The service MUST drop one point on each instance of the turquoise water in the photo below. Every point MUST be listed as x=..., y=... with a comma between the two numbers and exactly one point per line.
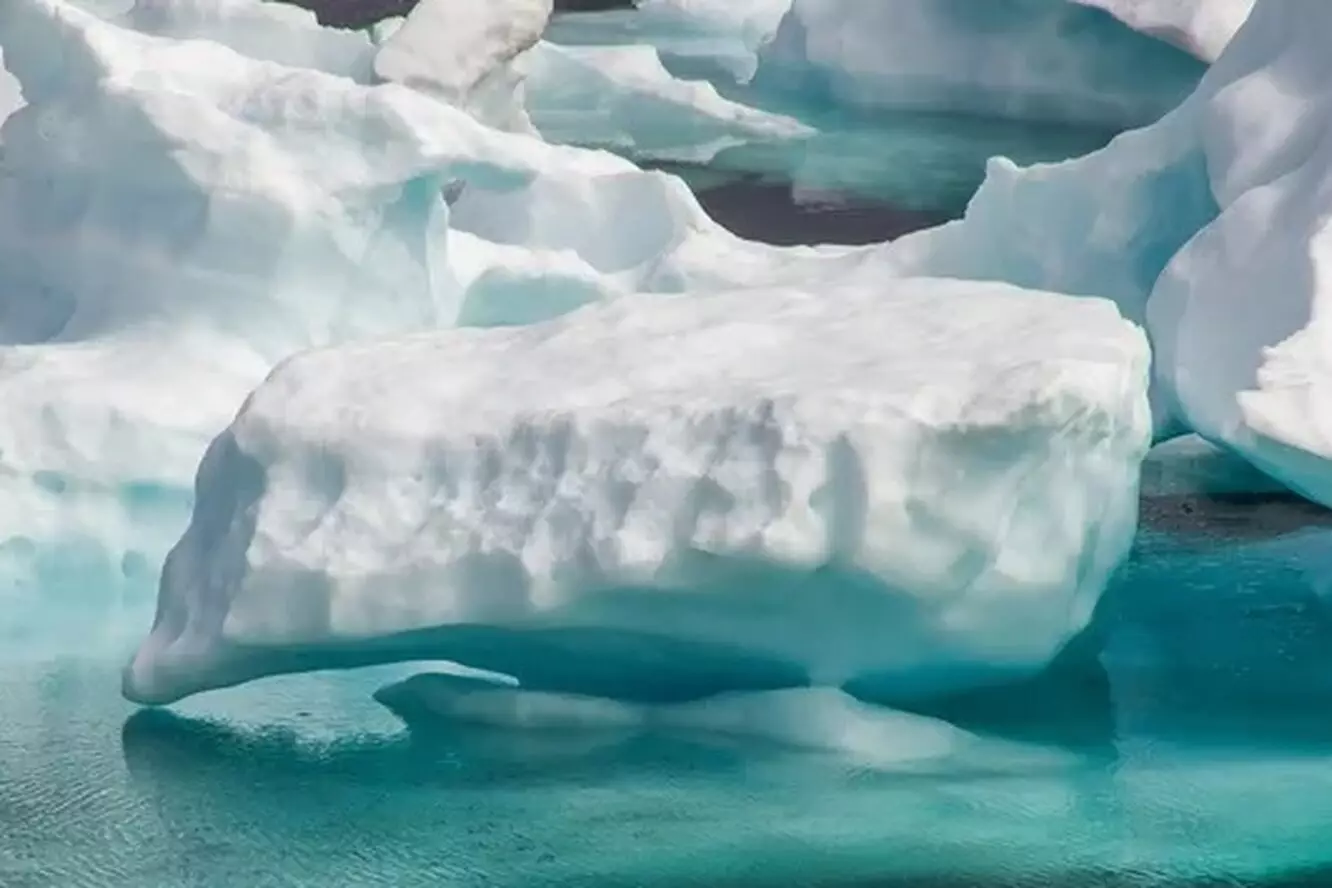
x=1202, y=750
x=912, y=161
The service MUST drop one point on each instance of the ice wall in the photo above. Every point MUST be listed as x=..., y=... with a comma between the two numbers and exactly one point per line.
x=1210, y=227
x=1039, y=59
x=916, y=486
x=197, y=190
x=1200, y=27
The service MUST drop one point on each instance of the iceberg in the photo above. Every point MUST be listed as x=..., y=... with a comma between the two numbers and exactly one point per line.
x=1210, y=228
x=465, y=54
x=11, y=99
x=1200, y=27
x=232, y=184
x=623, y=98
x=1027, y=59
x=918, y=486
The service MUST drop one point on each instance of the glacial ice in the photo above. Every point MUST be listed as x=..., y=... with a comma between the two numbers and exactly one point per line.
x=1200, y=27
x=710, y=38
x=1209, y=227
x=920, y=485
x=623, y=98
x=1030, y=59
x=228, y=190
x=199, y=189
x=10, y=97
x=466, y=54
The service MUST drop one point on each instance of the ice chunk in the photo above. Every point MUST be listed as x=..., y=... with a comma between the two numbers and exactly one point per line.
x=451, y=46
x=11, y=99
x=816, y=719
x=623, y=98
x=756, y=20
x=176, y=217
x=1043, y=59
x=922, y=483
x=1200, y=27
x=717, y=40
x=276, y=32
x=1210, y=226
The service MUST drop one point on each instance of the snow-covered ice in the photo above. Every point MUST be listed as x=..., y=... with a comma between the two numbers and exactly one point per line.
x=923, y=484
x=466, y=54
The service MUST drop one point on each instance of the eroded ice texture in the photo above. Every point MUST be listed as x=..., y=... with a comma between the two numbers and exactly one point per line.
x=462, y=52
x=1200, y=27
x=140, y=299
x=1210, y=226
x=1040, y=59
x=623, y=98
x=918, y=485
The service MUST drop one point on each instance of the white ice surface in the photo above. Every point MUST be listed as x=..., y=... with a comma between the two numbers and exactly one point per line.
x=451, y=46
x=1210, y=226
x=213, y=206
x=1043, y=59
x=924, y=484
x=10, y=98
x=1200, y=27
x=624, y=99
x=466, y=53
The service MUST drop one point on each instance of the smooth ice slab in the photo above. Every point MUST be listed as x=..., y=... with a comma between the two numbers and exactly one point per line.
x=922, y=484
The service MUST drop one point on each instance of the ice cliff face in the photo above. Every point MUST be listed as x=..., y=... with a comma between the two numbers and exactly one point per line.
x=1209, y=228
x=1038, y=59
x=913, y=487
x=1200, y=27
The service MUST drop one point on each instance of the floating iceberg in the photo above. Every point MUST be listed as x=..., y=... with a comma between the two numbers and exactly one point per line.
x=623, y=98
x=1200, y=27
x=228, y=185
x=685, y=463
x=916, y=486
x=10, y=97
x=1209, y=227
x=1031, y=59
